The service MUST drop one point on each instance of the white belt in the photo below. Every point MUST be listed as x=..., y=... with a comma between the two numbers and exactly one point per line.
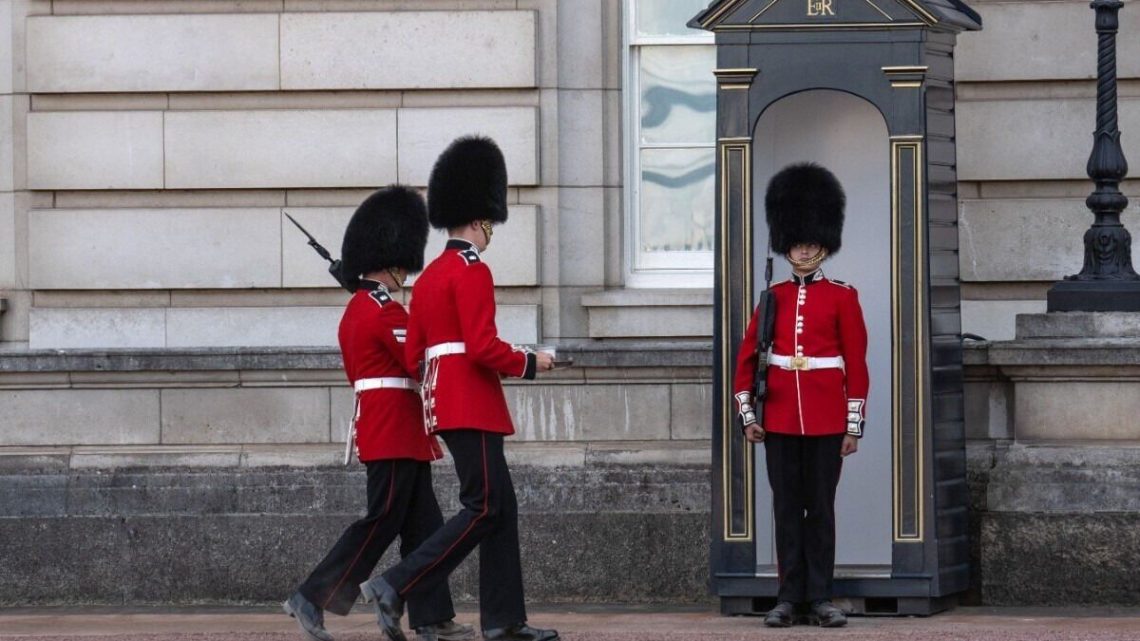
x=365, y=384
x=805, y=362
x=444, y=349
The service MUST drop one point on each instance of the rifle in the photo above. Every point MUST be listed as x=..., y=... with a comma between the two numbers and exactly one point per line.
x=764, y=336
x=334, y=265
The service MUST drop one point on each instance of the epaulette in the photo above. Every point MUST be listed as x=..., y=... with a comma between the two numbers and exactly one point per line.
x=380, y=296
x=841, y=283
x=469, y=256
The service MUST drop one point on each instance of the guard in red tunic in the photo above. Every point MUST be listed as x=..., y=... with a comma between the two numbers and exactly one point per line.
x=383, y=243
x=817, y=380
x=452, y=336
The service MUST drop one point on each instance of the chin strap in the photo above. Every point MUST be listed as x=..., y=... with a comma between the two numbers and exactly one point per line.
x=810, y=263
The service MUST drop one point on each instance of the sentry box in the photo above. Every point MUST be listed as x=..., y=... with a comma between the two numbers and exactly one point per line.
x=865, y=88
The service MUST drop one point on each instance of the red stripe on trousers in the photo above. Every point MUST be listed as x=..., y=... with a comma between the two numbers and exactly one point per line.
x=486, y=498
x=387, y=509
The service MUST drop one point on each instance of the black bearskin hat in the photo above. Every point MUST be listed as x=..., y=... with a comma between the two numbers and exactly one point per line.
x=389, y=229
x=468, y=183
x=804, y=204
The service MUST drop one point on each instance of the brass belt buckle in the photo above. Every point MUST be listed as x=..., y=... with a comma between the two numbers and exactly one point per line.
x=799, y=362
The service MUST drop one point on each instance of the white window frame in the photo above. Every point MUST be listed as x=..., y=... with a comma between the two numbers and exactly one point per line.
x=663, y=269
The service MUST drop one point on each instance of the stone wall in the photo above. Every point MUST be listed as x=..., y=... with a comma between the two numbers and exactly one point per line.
x=150, y=150
x=1025, y=114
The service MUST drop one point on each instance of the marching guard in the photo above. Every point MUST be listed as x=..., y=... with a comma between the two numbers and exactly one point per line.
x=383, y=243
x=812, y=411
x=452, y=333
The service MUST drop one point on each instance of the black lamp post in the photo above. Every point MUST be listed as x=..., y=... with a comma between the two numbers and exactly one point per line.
x=1107, y=281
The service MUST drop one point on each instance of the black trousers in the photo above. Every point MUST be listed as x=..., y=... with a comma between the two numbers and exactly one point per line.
x=804, y=472
x=488, y=520
x=401, y=502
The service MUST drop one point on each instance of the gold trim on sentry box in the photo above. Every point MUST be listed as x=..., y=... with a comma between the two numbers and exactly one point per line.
x=913, y=144
x=728, y=432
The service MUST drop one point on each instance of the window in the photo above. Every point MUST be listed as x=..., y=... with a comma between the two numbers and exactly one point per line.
x=670, y=107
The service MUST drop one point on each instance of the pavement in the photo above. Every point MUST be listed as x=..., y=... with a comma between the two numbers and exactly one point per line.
x=577, y=623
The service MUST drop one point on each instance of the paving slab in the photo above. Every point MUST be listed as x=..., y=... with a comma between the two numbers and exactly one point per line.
x=579, y=623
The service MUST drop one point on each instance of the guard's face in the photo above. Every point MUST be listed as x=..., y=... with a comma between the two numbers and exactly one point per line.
x=804, y=251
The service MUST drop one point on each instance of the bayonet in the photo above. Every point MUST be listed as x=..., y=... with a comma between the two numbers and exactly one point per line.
x=334, y=265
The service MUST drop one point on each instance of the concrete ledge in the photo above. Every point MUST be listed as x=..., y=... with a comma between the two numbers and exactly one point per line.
x=1060, y=559
x=596, y=534
x=641, y=354
x=1078, y=325
x=624, y=313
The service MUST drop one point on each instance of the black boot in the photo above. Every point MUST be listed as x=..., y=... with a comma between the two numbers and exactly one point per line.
x=446, y=631
x=520, y=632
x=781, y=616
x=389, y=606
x=308, y=616
x=828, y=615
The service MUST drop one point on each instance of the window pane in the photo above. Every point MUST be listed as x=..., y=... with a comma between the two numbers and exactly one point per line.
x=678, y=94
x=677, y=199
x=667, y=17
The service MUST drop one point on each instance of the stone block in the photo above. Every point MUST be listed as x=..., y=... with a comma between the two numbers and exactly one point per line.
x=8, y=242
x=252, y=326
x=202, y=456
x=513, y=252
x=690, y=414
x=1040, y=41
x=102, y=298
x=650, y=313
x=280, y=148
x=1074, y=410
x=540, y=455
x=1093, y=558
x=140, y=53
x=581, y=147
x=994, y=319
x=1078, y=325
x=1047, y=232
x=581, y=237
x=589, y=412
x=408, y=50
x=8, y=146
x=341, y=409
x=95, y=150
x=7, y=47
x=580, y=37
x=243, y=415
x=425, y=133
x=1080, y=479
x=292, y=456
x=1033, y=139
x=14, y=321
x=547, y=56
x=79, y=417
x=103, y=328
x=518, y=324
x=988, y=406
x=155, y=248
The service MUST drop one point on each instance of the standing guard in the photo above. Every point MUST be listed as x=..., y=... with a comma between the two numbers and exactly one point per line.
x=383, y=243
x=813, y=410
x=452, y=332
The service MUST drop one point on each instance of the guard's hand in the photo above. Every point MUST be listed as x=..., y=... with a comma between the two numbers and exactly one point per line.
x=543, y=362
x=754, y=433
x=850, y=445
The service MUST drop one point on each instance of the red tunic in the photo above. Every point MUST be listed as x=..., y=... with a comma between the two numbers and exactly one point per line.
x=815, y=317
x=454, y=302
x=372, y=346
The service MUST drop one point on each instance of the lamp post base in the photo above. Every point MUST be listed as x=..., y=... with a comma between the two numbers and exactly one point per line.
x=1095, y=296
